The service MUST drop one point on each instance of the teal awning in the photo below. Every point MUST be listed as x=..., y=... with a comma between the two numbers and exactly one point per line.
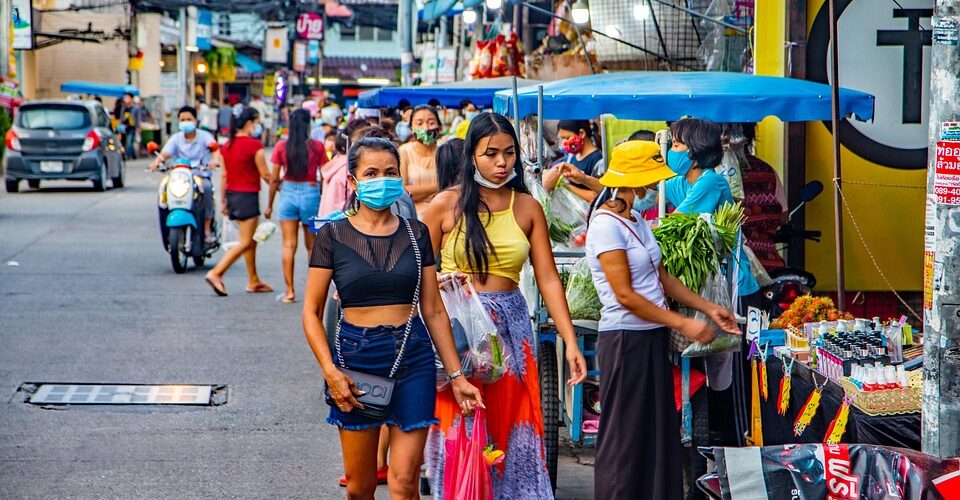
x=249, y=64
x=98, y=88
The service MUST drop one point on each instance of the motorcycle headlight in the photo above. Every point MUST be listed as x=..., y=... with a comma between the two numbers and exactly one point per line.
x=179, y=186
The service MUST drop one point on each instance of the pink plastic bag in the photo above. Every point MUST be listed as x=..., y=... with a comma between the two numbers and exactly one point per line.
x=467, y=475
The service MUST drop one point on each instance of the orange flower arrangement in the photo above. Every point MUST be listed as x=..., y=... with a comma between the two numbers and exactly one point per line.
x=809, y=309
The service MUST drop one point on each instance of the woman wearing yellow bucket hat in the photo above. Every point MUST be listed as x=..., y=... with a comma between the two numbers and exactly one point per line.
x=638, y=448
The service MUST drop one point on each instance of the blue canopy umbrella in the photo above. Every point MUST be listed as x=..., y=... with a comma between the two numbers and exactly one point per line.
x=717, y=96
x=479, y=92
x=97, y=88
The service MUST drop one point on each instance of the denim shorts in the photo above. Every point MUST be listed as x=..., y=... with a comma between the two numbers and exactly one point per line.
x=373, y=350
x=299, y=201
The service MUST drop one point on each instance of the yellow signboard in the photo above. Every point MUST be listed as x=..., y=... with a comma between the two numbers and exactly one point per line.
x=884, y=161
x=269, y=85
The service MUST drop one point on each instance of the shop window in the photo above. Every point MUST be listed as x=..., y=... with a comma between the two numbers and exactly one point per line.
x=223, y=25
x=367, y=33
x=385, y=35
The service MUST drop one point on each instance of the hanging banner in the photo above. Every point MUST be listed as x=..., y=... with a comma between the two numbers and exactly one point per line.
x=277, y=46
x=299, y=56
x=310, y=26
x=22, y=21
x=204, y=29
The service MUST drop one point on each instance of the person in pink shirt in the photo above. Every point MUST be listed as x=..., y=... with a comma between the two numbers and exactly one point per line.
x=334, y=186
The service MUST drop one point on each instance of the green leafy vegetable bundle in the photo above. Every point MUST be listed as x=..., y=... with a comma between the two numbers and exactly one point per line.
x=582, y=294
x=693, y=245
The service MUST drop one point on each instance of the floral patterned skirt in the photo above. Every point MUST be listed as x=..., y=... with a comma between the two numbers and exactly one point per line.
x=514, y=416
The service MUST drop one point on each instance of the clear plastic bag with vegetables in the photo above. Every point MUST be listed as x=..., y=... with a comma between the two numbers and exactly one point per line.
x=566, y=216
x=717, y=291
x=581, y=293
x=482, y=353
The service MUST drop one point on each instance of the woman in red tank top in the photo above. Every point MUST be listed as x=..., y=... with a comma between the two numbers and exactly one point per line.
x=244, y=165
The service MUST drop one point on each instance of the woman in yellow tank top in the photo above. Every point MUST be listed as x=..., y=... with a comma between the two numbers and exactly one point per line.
x=487, y=228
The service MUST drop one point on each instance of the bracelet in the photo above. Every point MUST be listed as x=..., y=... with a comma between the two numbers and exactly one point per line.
x=458, y=373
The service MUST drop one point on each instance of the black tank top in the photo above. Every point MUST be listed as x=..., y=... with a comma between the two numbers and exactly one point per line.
x=372, y=270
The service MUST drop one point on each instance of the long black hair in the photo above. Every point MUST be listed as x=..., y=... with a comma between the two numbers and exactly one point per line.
x=449, y=163
x=298, y=136
x=237, y=122
x=353, y=161
x=470, y=204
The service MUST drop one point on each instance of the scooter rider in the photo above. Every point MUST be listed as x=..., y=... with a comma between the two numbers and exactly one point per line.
x=193, y=144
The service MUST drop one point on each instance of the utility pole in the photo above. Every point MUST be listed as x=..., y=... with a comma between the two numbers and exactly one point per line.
x=941, y=343
x=183, y=61
x=835, y=122
x=6, y=7
x=406, y=40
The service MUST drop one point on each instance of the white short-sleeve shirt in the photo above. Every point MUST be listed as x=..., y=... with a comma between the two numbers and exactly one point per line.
x=609, y=232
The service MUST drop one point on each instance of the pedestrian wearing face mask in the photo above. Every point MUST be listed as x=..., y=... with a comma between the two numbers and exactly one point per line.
x=468, y=111
x=581, y=146
x=194, y=145
x=418, y=165
x=392, y=318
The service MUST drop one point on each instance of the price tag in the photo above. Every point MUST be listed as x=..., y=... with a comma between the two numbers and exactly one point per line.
x=754, y=324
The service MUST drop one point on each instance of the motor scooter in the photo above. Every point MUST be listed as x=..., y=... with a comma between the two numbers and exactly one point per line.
x=180, y=210
x=790, y=282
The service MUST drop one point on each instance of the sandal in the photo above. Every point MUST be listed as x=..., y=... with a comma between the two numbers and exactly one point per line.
x=288, y=299
x=260, y=288
x=216, y=285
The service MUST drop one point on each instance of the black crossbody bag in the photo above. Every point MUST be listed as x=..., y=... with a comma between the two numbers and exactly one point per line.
x=379, y=390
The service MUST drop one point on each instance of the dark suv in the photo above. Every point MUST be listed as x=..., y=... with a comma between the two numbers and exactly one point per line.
x=63, y=140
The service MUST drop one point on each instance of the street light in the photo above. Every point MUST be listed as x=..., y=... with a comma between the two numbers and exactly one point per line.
x=201, y=68
x=469, y=16
x=494, y=4
x=580, y=12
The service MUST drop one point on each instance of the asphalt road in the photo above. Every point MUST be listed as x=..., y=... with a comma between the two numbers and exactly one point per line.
x=87, y=295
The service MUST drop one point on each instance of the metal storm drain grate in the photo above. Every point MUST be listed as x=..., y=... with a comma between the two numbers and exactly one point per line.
x=115, y=394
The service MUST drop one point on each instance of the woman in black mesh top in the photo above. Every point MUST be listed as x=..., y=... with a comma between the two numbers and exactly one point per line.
x=381, y=264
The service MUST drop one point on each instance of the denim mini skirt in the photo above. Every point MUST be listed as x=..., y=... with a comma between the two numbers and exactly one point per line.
x=373, y=350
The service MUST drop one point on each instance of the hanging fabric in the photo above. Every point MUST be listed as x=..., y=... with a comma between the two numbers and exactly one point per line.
x=809, y=408
x=783, y=397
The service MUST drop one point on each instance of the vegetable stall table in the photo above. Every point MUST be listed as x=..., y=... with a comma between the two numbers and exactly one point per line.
x=901, y=430
x=651, y=95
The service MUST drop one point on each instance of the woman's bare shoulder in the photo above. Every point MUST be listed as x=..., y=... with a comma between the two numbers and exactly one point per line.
x=447, y=198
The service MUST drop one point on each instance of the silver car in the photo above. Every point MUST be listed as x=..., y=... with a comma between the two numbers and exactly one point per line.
x=57, y=139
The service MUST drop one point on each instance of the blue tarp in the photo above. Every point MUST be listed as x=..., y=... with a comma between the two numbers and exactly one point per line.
x=249, y=64
x=479, y=92
x=717, y=96
x=97, y=88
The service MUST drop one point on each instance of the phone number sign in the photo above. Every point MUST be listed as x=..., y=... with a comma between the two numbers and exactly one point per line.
x=947, y=182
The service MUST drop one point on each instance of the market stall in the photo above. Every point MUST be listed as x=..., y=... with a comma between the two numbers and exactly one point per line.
x=480, y=92
x=900, y=430
x=722, y=97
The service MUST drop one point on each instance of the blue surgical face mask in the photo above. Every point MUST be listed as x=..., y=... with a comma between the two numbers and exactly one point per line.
x=257, y=130
x=679, y=162
x=470, y=115
x=648, y=201
x=188, y=127
x=378, y=194
x=403, y=131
